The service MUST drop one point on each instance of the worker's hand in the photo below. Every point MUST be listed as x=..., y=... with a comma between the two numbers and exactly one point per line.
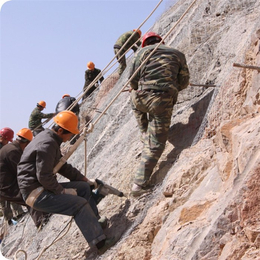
x=70, y=191
x=93, y=183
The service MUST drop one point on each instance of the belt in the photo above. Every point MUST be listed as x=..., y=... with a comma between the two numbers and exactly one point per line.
x=33, y=196
x=155, y=91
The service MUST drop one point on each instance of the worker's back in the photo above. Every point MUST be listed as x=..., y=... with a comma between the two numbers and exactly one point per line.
x=65, y=103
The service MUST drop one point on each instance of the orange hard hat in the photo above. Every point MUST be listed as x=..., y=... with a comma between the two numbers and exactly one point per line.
x=91, y=65
x=26, y=134
x=65, y=95
x=7, y=133
x=42, y=103
x=67, y=120
x=148, y=36
x=139, y=32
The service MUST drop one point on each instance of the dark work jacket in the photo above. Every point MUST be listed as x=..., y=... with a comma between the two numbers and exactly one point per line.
x=10, y=156
x=90, y=75
x=64, y=103
x=35, y=168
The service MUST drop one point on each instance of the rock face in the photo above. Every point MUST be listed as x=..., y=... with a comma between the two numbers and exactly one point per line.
x=206, y=201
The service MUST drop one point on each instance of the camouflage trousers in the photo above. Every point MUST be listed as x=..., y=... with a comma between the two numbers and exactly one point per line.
x=153, y=113
x=122, y=61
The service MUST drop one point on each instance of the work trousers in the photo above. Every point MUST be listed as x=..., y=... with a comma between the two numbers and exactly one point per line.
x=153, y=113
x=10, y=210
x=121, y=59
x=82, y=207
x=37, y=216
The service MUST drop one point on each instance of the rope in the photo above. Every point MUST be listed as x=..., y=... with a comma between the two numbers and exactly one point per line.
x=85, y=158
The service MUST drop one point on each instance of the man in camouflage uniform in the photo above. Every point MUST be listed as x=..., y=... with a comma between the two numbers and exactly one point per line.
x=154, y=92
x=36, y=116
x=132, y=43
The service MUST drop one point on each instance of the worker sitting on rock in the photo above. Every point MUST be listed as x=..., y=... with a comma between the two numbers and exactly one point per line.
x=90, y=74
x=36, y=116
x=154, y=92
x=132, y=38
x=41, y=190
x=10, y=211
x=10, y=156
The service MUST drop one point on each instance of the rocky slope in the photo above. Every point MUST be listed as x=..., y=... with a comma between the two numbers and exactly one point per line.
x=205, y=203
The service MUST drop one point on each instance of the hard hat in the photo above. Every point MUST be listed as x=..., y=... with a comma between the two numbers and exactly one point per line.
x=42, y=103
x=7, y=133
x=139, y=32
x=91, y=65
x=26, y=134
x=65, y=95
x=148, y=36
x=67, y=120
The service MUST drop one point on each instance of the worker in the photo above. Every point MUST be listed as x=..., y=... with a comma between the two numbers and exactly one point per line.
x=133, y=41
x=11, y=211
x=90, y=74
x=154, y=91
x=68, y=103
x=41, y=190
x=6, y=136
x=36, y=116
x=10, y=156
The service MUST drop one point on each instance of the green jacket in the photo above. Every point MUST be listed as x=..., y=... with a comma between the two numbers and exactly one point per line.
x=36, y=117
x=124, y=37
x=165, y=70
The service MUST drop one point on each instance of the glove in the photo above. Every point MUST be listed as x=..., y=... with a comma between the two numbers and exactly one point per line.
x=70, y=191
x=93, y=183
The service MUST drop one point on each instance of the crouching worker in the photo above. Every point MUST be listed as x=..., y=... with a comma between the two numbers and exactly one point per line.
x=10, y=156
x=41, y=190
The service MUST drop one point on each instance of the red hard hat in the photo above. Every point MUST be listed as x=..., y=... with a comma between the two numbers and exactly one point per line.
x=149, y=35
x=7, y=133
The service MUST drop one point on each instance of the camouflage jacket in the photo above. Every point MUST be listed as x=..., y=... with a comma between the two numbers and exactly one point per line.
x=165, y=70
x=36, y=117
x=124, y=37
x=90, y=75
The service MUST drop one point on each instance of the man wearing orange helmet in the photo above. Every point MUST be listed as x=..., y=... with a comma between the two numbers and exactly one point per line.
x=90, y=74
x=35, y=123
x=155, y=88
x=42, y=191
x=128, y=40
x=10, y=156
x=8, y=210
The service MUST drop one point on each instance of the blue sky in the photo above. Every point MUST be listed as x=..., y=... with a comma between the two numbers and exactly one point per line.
x=45, y=46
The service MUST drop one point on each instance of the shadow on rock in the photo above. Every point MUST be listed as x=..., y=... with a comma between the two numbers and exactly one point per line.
x=181, y=136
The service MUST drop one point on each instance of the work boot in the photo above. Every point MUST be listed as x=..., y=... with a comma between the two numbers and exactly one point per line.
x=137, y=190
x=103, y=221
x=106, y=244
